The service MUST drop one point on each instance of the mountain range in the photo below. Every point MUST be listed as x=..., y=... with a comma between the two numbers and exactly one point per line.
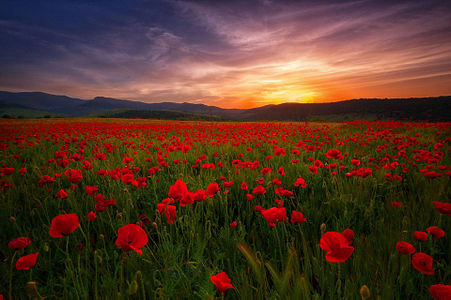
x=38, y=104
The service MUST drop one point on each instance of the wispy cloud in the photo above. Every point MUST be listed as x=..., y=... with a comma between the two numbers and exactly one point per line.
x=237, y=54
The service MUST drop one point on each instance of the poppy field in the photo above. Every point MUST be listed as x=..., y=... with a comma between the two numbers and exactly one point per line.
x=143, y=209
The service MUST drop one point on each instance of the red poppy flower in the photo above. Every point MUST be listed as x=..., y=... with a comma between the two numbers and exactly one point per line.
x=259, y=190
x=212, y=189
x=187, y=198
x=178, y=190
x=90, y=190
x=279, y=202
x=169, y=210
x=45, y=180
x=355, y=162
x=313, y=169
x=396, y=204
x=337, y=247
x=199, y=195
x=243, y=186
x=318, y=164
x=233, y=224
x=443, y=207
x=26, y=262
x=63, y=225
x=274, y=215
x=227, y=184
x=334, y=153
x=297, y=217
x=131, y=237
x=259, y=209
x=249, y=197
x=300, y=182
x=436, y=232
x=285, y=193
x=74, y=176
x=61, y=194
x=433, y=174
x=87, y=165
x=420, y=236
x=266, y=171
x=127, y=178
x=222, y=282
x=127, y=160
x=102, y=203
x=19, y=243
x=8, y=171
x=440, y=291
x=91, y=216
x=153, y=170
x=349, y=235
x=281, y=171
x=405, y=248
x=100, y=156
x=276, y=181
x=423, y=263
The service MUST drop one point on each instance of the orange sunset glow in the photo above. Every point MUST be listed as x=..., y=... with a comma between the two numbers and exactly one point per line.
x=229, y=54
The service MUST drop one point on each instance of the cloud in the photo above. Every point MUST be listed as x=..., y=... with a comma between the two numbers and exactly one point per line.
x=235, y=53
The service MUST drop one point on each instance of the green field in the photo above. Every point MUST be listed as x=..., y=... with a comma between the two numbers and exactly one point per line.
x=382, y=185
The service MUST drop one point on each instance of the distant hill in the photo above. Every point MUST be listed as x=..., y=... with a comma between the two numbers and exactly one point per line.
x=78, y=107
x=9, y=110
x=434, y=108
x=41, y=101
x=437, y=108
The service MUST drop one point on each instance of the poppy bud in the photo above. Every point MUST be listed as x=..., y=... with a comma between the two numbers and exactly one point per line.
x=125, y=190
x=154, y=224
x=99, y=259
x=133, y=287
x=323, y=228
x=119, y=215
x=365, y=292
x=46, y=247
x=12, y=219
x=32, y=289
x=101, y=236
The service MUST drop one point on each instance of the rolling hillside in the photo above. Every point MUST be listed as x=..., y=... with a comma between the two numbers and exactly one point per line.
x=433, y=109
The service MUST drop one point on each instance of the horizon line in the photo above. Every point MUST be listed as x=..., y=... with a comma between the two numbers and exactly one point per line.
x=270, y=104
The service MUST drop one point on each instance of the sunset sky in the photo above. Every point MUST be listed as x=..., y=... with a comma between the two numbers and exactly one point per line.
x=232, y=54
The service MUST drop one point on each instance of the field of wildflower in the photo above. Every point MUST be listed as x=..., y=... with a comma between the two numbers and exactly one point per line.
x=142, y=209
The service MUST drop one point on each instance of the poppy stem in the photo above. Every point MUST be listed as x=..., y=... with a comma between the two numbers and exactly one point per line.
x=67, y=247
x=142, y=283
x=121, y=272
x=95, y=280
x=278, y=243
x=339, y=278
x=10, y=293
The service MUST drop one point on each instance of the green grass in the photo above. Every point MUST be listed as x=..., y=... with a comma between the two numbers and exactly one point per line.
x=157, y=114
x=26, y=113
